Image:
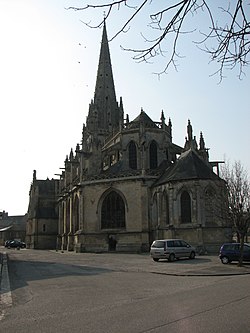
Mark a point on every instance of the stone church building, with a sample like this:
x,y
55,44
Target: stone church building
x,y
127,183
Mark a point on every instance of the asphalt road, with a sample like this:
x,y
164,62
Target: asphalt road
x,y
107,293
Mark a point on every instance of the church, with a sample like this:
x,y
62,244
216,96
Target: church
x,y
127,183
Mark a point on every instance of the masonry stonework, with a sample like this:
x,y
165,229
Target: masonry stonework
x,y
128,183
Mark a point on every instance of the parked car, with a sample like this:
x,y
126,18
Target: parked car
x,y
231,252
15,244
7,242
171,249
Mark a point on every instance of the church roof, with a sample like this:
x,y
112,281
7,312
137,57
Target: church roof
x,y
144,119
189,166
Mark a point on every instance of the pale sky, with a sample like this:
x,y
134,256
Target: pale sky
x,y
48,66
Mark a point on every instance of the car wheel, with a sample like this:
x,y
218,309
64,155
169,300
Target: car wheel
x,y
225,260
192,255
171,257
156,259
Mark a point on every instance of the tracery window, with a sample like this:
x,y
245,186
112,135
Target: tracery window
x,y
185,207
153,155
113,212
132,155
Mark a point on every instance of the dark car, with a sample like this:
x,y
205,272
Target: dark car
x,y
7,242
231,252
15,244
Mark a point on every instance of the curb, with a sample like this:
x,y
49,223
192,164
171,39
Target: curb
x,y
5,290
201,274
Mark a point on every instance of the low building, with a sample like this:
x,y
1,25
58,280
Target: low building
x,y
42,219
12,227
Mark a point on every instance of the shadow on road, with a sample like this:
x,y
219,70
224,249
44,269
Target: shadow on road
x,y
23,271
187,261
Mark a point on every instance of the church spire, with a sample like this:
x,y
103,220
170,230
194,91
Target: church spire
x,y
104,112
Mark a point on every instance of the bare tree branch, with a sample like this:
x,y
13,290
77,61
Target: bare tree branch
x,y
229,30
238,198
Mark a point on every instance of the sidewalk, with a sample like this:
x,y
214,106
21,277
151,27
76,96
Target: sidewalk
x,y
207,265
203,266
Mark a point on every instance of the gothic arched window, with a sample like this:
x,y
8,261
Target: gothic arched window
x,y
185,207
76,224
67,217
132,153
153,155
113,212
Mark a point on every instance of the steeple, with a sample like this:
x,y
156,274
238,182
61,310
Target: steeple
x,y
104,112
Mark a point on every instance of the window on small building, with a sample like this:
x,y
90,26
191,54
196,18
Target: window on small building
x,y
132,155
113,212
185,207
153,155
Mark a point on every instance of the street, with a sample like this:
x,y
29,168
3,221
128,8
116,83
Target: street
x,y
126,293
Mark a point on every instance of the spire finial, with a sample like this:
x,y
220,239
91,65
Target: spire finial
x,y
202,142
162,116
189,130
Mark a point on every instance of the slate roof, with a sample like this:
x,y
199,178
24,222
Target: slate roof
x,y
142,118
189,166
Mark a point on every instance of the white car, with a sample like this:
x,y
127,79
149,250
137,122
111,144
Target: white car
x,y
171,249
